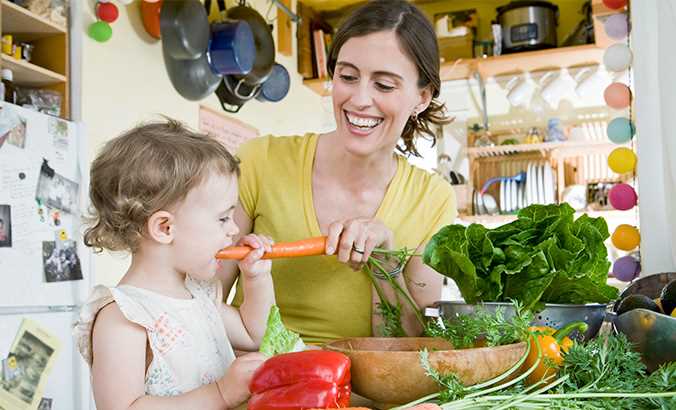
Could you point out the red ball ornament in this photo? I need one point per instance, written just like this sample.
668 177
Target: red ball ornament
615 4
107 12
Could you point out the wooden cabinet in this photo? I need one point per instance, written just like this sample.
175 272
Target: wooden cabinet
49 64
487 67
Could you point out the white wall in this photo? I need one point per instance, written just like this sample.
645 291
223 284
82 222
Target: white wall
654 31
124 82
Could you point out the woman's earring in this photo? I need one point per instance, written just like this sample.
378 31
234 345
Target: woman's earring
414 116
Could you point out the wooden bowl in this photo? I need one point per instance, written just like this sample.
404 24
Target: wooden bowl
388 370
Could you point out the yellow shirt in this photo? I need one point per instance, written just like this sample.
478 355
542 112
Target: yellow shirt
319 297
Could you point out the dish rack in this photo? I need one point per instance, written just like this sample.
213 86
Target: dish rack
578 161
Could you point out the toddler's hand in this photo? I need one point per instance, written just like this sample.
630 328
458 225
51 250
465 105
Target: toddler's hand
234 385
253 266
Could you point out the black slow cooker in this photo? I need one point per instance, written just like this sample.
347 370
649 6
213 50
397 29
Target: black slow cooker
528 25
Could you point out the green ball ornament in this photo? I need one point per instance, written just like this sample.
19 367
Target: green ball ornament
621 130
100 31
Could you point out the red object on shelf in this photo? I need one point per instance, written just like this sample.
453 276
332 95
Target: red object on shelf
615 4
150 13
107 12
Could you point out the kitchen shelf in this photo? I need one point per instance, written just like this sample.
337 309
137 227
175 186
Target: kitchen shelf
539 60
19 20
506 64
511 149
26 73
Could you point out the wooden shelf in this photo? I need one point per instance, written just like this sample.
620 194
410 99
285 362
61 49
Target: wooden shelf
526 61
501 150
506 64
18 20
29 74
321 86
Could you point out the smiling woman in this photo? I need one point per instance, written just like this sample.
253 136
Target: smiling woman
354 184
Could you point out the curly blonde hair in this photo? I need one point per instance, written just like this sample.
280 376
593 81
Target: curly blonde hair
148 168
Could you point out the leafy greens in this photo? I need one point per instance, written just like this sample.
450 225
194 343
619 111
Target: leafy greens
277 338
544 256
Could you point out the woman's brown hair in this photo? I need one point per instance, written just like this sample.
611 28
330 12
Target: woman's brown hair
148 168
417 38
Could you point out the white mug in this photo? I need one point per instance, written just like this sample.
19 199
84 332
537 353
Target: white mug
521 90
592 82
557 88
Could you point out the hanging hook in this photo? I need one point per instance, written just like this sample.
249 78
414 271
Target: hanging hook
292 16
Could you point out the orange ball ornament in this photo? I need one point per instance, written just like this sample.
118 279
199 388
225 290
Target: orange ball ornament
617 96
626 237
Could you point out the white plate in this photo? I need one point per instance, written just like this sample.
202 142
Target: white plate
528 184
532 192
541 184
549 184
503 198
544 184
508 195
538 184
515 196
489 204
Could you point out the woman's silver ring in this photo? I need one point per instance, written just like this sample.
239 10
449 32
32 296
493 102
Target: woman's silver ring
354 248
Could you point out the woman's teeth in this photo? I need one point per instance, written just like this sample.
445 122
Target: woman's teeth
365 123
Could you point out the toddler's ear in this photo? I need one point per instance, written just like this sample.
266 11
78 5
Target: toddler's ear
161 227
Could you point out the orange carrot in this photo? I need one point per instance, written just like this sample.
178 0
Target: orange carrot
304 247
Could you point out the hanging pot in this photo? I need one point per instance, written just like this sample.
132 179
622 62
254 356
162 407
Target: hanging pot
233 93
185 38
231 49
265 45
276 87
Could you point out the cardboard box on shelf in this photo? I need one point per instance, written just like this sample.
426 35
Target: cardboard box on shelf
453 48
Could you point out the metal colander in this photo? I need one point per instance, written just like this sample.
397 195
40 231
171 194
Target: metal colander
554 315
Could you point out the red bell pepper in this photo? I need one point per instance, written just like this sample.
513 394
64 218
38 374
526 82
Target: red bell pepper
301 380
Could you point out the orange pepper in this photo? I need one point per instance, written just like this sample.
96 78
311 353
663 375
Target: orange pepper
553 344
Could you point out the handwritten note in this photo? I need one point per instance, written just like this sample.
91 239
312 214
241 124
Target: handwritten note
229 131
25 229
18 182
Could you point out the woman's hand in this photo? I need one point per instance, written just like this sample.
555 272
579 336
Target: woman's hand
355 239
252 265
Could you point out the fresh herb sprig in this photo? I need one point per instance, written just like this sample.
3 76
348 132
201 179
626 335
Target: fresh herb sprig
483 328
603 373
391 312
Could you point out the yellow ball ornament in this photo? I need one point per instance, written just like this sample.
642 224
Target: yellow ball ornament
626 237
622 160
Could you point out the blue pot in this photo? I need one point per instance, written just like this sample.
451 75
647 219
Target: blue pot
276 86
231 48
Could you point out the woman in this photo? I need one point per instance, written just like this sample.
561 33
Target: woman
349 184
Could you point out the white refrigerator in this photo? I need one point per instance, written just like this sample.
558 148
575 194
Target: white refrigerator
44 266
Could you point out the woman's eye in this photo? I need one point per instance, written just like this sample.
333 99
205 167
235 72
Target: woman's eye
224 220
348 78
384 87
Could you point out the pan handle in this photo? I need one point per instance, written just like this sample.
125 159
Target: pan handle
249 96
234 109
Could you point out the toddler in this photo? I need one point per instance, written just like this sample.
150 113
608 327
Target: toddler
163 338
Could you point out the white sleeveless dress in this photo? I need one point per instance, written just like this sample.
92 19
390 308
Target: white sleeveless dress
187 336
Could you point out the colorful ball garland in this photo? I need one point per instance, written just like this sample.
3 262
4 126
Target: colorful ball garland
622 160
